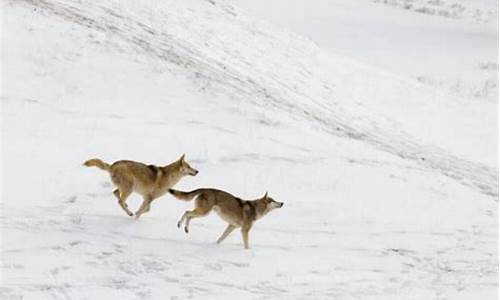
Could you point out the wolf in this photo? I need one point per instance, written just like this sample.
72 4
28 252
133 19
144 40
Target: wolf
150 181
235 211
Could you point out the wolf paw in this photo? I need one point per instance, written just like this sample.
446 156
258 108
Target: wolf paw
186 230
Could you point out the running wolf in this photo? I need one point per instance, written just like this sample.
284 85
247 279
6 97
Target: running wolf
235 211
150 181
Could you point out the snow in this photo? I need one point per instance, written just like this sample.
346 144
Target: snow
383 199
456 51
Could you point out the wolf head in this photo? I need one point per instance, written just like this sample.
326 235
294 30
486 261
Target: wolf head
185 168
271 203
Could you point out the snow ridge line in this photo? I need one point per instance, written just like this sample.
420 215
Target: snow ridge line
271 91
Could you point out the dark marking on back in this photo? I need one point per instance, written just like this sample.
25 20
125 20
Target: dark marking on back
240 202
155 170
249 210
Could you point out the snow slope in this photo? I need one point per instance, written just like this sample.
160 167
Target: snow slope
455 43
383 201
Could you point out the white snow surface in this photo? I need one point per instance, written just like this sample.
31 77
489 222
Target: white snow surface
390 183
446 44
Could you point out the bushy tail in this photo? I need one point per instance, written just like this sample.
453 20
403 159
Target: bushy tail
186 196
95 162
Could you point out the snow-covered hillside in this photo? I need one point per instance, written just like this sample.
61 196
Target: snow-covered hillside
390 185
446 44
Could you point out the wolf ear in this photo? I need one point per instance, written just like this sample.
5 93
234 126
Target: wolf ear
182 157
265 195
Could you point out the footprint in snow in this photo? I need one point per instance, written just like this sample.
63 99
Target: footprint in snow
76 243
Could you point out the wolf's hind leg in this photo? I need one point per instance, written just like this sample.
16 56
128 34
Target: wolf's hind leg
122 195
195 213
226 232
184 215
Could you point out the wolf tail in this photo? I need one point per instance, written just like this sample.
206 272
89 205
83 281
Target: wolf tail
186 196
95 162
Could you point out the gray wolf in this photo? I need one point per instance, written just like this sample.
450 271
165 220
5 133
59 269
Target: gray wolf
150 181
235 211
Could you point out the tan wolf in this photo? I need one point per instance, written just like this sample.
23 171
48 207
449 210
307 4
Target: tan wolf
150 181
235 211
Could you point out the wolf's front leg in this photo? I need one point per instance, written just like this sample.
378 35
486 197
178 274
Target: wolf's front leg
245 229
145 206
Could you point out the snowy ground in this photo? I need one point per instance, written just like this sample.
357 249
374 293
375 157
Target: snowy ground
390 184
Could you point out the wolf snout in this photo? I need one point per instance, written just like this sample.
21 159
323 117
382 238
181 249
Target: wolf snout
194 172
